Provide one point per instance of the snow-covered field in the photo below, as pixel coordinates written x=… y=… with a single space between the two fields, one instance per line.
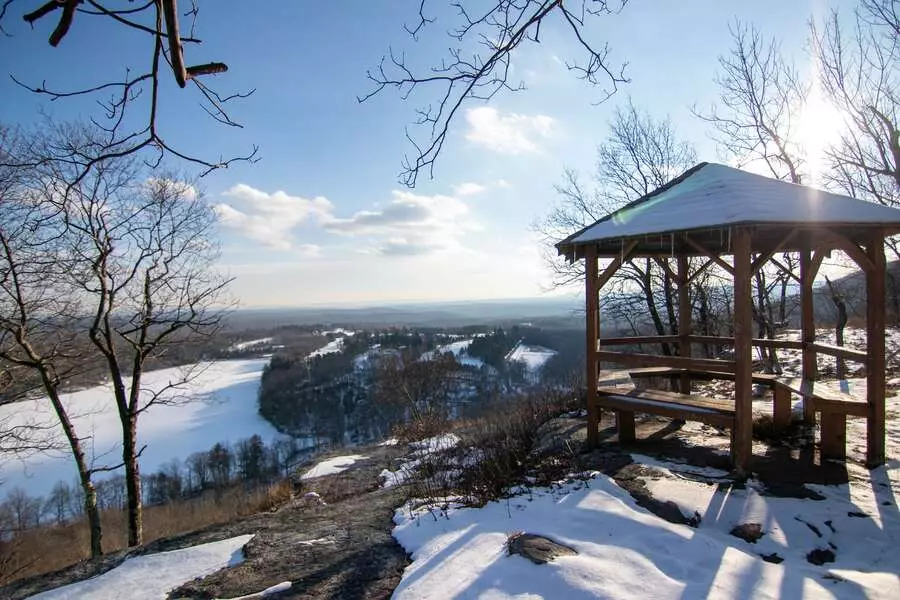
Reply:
x=460 y=350
x=152 y=576
x=249 y=344
x=534 y=357
x=624 y=551
x=223 y=409
x=335 y=345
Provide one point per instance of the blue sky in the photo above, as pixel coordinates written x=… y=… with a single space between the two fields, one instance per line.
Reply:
x=322 y=219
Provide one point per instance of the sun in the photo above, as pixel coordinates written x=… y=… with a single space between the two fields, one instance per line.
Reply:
x=819 y=126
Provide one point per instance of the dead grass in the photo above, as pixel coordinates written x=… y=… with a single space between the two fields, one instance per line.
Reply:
x=49 y=548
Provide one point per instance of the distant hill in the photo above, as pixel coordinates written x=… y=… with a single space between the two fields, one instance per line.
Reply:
x=853 y=289
x=559 y=311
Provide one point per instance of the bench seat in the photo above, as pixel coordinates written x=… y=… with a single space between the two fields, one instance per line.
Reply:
x=626 y=402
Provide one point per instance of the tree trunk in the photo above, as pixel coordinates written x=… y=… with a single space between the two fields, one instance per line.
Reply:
x=839 y=325
x=647 y=284
x=91 y=511
x=132 y=482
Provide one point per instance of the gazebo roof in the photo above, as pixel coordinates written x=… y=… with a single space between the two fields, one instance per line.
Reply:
x=710 y=198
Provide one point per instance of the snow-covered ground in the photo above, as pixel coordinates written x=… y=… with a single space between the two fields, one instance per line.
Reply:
x=152 y=576
x=460 y=350
x=223 y=409
x=534 y=357
x=337 y=464
x=335 y=345
x=624 y=551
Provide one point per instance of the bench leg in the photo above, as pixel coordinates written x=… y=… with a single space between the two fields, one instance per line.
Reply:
x=781 y=410
x=625 y=425
x=834 y=435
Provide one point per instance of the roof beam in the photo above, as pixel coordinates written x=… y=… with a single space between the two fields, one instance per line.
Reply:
x=711 y=255
x=612 y=267
x=763 y=258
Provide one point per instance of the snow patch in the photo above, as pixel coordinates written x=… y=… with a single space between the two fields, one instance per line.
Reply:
x=332 y=466
x=152 y=576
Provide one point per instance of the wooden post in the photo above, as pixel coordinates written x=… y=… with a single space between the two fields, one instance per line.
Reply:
x=742 y=432
x=875 y=322
x=592 y=336
x=807 y=328
x=684 y=319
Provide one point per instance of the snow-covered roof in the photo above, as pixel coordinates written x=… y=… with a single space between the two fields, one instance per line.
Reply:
x=713 y=196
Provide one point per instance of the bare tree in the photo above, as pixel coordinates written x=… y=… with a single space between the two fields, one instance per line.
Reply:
x=479 y=66
x=639 y=155
x=159 y=25
x=860 y=73
x=760 y=98
x=39 y=312
x=146 y=266
x=756 y=122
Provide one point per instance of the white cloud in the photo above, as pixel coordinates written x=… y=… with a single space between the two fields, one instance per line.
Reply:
x=409 y=224
x=507 y=133
x=468 y=188
x=270 y=218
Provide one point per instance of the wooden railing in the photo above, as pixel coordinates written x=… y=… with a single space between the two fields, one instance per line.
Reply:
x=826 y=349
x=634 y=359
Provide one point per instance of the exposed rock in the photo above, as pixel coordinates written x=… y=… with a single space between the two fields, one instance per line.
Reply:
x=536 y=548
x=857 y=514
x=820 y=556
x=772 y=558
x=749 y=532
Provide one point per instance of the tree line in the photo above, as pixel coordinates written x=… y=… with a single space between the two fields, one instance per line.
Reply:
x=249 y=462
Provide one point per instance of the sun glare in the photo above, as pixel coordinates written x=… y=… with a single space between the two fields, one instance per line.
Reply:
x=818 y=128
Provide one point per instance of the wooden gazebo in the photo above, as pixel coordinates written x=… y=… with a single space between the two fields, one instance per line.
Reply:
x=713 y=211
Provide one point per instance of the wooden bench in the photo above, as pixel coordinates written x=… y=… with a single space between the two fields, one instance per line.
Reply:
x=626 y=401
x=781 y=395
x=834 y=405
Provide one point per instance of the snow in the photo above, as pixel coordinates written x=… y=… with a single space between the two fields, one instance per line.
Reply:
x=332 y=466
x=249 y=344
x=534 y=357
x=338 y=331
x=335 y=345
x=225 y=409
x=627 y=552
x=269 y=591
x=460 y=350
x=715 y=195
x=152 y=576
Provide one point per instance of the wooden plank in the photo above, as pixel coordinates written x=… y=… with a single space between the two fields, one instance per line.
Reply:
x=834 y=436
x=725 y=407
x=684 y=321
x=638 y=340
x=762 y=342
x=634 y=359
x=742 y=433
x=856 y=253
x=875 y=323
x=676 y=406
x=809 y=369
x=625 y=425
x=592 y=333
x=840 y=352
x=851 y=408
x=713 y=257
x=617 y=262
x=781 y=409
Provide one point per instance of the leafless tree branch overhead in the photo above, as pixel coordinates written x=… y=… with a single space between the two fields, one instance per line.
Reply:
x=479 y=66
x=158 y=23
